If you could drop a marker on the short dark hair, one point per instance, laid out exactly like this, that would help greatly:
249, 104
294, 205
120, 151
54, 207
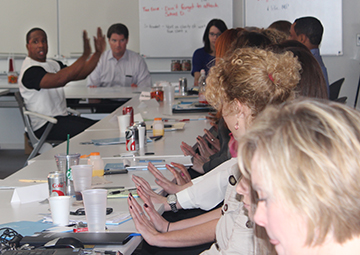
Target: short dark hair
33, 30
311, 27
281, 25
214, 22
119, 29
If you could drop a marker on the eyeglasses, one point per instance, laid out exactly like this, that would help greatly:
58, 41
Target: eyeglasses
213, 34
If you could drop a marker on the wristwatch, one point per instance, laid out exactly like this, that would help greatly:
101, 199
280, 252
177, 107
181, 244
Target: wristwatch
171, 200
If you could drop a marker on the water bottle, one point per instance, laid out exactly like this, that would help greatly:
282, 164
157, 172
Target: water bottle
202, 87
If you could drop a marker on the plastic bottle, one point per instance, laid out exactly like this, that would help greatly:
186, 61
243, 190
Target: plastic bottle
12, 75
158, 127
202, 87
98, 164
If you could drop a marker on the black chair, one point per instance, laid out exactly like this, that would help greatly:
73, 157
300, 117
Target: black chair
334, 89
341, 100
357, 94
39, 145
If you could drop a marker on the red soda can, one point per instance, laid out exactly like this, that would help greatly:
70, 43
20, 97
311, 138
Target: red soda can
129, 110
132, 138
56, 181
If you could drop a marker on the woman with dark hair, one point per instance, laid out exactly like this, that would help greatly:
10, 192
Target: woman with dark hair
203, 57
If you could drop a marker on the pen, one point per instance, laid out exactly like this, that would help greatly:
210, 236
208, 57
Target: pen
34, 181
151, 160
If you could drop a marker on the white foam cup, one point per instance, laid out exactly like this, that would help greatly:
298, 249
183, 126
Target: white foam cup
124, 122
60, 210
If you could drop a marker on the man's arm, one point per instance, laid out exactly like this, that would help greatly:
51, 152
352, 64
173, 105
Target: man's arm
78, 70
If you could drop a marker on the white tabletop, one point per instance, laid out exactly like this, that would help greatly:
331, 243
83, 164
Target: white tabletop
41, 165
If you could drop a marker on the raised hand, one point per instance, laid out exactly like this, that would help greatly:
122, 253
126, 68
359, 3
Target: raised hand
99, 41
198, 162
161, 180
87, 47
181, 177
159, 222
143, 225
141, 182
212, 140
187, 149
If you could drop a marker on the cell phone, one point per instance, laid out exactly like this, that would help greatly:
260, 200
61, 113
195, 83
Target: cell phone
81, 211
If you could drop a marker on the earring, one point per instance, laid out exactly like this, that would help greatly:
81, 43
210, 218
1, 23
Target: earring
236, 125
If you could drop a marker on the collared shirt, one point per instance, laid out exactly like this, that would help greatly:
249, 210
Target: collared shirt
129, 69
316, 54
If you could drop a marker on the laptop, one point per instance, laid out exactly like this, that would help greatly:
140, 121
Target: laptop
87, 238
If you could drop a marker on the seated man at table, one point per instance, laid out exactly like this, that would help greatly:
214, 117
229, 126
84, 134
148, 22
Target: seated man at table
120, 66
309, 31
42, 81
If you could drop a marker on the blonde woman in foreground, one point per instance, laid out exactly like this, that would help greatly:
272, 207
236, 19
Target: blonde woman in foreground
303, 162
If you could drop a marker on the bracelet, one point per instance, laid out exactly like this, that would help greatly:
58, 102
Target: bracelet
167, 230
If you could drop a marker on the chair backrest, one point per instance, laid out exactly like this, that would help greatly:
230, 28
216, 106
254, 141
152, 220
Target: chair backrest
335, 89
38, 144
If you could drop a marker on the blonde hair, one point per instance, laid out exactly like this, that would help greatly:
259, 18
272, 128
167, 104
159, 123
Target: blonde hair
308, 153
253, 77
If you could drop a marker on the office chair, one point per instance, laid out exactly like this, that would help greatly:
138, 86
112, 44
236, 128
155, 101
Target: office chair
341, 100
334, 89
39, 145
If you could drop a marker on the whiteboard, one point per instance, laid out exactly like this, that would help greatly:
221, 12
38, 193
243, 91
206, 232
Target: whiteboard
261, 13
174, 28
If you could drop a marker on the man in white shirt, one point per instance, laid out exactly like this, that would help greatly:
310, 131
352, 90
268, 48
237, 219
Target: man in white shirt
119, 66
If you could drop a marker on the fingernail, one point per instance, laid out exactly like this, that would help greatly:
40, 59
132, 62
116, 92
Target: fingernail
182, 174
156, 180
130, 207
146, 205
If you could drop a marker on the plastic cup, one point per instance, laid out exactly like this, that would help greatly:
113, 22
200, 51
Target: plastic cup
60, 210
65, 162
169, 94
124, 122
95, 209
82, 175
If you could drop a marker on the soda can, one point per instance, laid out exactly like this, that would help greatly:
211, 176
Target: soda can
183, 86
56, 182
129, 110
132, 138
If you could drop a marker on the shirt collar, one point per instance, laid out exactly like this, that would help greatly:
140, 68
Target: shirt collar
124, 57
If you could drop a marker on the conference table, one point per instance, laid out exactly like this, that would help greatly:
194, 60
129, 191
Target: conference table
168, 146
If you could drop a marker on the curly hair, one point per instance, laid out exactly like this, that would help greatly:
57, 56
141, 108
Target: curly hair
254, 77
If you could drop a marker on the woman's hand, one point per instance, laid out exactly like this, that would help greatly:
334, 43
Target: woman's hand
155, 198
143, 225
161, 180
159, 222
198, 162
181, 177
187, 149
212, 140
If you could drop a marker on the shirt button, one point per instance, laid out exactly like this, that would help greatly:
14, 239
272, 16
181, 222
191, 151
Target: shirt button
225, 207
232, 180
